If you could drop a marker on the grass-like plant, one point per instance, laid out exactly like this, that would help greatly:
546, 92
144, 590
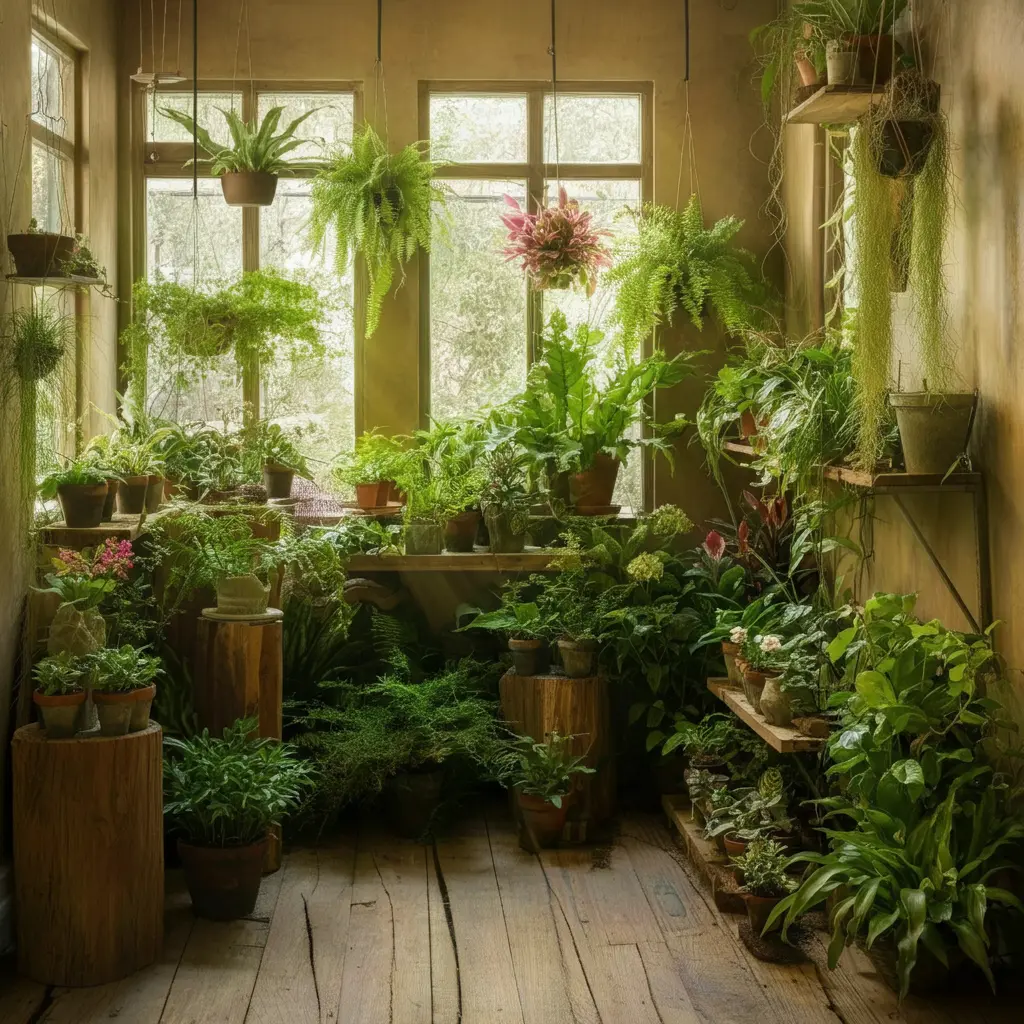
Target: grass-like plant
377, 205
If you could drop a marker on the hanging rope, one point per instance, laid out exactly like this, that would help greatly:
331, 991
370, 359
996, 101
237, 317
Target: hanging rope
380, 89
687, 149
553, 51
195, 143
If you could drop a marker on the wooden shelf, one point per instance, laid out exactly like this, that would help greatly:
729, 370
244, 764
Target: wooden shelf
122, 527
738, 448
835, 104
56, 281
535, 560
785, 741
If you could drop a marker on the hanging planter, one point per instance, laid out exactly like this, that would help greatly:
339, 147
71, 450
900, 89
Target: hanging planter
248, 188
906, 125
40, 253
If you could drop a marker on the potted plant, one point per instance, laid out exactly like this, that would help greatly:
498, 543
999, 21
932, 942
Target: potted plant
223, 795
123, 688
238, 567
60, 693
701, 785
541, 774
707, 743
141, 482
379, 206
371, 468
521, 622
557, 246
84, 265
762, 659
756, 812
935, 428
505, 501
765, 882
39, 253
81, 490
568, 603
249, 168
270, 453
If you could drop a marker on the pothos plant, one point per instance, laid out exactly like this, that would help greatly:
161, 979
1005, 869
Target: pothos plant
379, 206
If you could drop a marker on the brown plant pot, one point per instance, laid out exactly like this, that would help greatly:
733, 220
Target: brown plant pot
577, 658
223, 881
142, 703
874, 57
60, 714
759, 909
503, 539
114, 711
735, 847
935, 428
278, 480
525, 656
774, 704
131, 495
413, 799
594, 487
371, 496
748, 425
40, 254
806, 70
110, 500
82, 504
753, 686
460, 532
730, 652
542, 818
154, 493
248, 188
394, 493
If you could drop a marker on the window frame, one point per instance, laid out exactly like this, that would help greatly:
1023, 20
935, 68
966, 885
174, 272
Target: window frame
536, 172
167, 160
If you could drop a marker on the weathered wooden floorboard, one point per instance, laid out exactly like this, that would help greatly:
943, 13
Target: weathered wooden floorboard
444, 970
20, 999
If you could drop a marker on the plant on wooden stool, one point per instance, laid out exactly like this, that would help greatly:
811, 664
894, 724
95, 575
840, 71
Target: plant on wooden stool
765, 882
521, 622
222, 796
60, 692
123, 688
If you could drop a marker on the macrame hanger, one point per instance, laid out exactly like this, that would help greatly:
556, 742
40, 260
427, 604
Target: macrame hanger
195, 143
552, 50
243, 11
380, 89
687, 149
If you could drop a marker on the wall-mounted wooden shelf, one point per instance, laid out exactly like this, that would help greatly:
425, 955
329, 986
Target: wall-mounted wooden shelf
785, 741
535, 560
122, 527
835, 104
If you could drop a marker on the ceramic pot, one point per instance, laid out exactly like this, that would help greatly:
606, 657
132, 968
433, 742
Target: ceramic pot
525, 656
154, 493
934, 428
460, 532
108, 502
503, 539
577, 657
60, 714
40, 253
413, 799
842, 66
543, 819
759, 909
132, 492
735, 847
753, 685
242, 595
82, 504
142, 704
223, 881
371, 496
595, 487
248, 188
423, 539
114, 711
278, 480
730, 652
775, 705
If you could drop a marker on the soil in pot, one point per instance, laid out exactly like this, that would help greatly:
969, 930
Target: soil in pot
110, 499
503, 539
131, 495
413, 799
775, 704
242, 595
934, 428
460, 532
371, 496
40, 254
594, 487
577, 658
525, 656
278, 481
223, 881
759, 909
114, 711
753, 687
60, 714
154, 493
248, 188
82, 504
423, 539
730, 652
141, 707
543, 819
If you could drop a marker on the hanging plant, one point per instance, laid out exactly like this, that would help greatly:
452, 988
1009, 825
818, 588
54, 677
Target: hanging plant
557, 247
378, 205
675, 263
249, 168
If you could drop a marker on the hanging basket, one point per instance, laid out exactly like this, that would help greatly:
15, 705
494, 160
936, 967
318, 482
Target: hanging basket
40, 253
908, 123
248, 188
392, 195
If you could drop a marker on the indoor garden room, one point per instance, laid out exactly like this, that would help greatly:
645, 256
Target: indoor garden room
509, 512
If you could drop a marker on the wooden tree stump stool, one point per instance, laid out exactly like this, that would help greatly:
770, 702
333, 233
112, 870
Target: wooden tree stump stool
537, 705
88, 855
239, 673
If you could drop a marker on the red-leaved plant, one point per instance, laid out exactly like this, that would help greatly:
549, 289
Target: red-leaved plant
557, 246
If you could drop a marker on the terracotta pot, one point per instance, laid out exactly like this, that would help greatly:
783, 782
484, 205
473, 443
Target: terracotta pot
278, 480
248, 188
132, 492
141, 707
423, 539
806, 70
371, 496
542, 818
82, 504
759, 909
594, 487
460, 532
735, 847
874, 57
525, 656
223, 881
753, 685
114, 711
394, 493
730, 652
111, 498
60, 714
577, 658
413, 799
242, 595
775, 704
748, 425
40, 254
154, 493
503, 539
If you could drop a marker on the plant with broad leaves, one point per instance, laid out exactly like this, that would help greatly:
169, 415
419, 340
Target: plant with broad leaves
122, 669
763, 864
758, 811
539, 769
517, 618
707, 742
701, 784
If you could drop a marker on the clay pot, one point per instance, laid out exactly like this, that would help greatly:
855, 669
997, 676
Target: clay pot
132, 493
748, 425
371, 496
142, 703
842, 66
753, 685
248, 188
806, 70
503, 539
759, 909
114, 711
542, 818
423, 539
934, 428
735, 847
108, 502
154, 493
460, 532
60, 714
40, 254
774, 704
278, 480
730, 652
577, 657
413, 799
874, 57
242, 596
82, 504
223, 881
594, 487
525, 656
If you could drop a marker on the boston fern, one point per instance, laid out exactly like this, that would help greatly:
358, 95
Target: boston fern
378, 205
675, 263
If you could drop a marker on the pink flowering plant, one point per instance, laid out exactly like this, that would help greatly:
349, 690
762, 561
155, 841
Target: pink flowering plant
558, 246
763, 652
84, 578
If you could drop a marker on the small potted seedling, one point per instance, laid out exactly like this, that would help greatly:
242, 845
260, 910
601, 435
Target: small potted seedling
277, 457
765, 882
123, 688
707, 743
60, 693
541, 775
222, 796
81, 489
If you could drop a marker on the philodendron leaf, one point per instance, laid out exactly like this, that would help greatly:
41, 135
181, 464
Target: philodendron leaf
837, 648
875, 689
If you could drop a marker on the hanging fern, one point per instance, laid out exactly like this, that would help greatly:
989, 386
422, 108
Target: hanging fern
674, 263
379, 205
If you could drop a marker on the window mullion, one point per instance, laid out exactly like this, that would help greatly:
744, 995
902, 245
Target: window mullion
534, 200
251, 261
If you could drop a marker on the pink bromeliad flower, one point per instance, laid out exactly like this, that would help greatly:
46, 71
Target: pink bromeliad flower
557, 246
714, 545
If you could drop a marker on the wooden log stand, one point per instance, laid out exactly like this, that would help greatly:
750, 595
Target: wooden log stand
537, 705
88, 855
239, 673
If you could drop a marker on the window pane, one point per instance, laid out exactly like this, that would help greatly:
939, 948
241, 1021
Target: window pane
478, 129
52, 190
55, 395
162, 129
176, 391
53, 83
328, 128
593, 129
321, 393
477, 304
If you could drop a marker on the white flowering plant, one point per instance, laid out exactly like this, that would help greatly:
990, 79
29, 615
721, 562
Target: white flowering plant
764, 652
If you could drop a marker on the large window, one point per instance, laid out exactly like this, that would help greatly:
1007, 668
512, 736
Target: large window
204, 242
483, 324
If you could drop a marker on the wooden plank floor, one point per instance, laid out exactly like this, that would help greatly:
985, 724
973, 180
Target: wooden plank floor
369, 929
